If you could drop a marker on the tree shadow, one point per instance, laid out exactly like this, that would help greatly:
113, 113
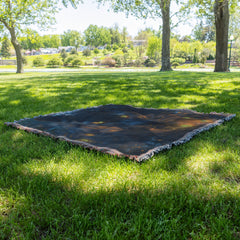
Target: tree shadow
48, 207
162, 198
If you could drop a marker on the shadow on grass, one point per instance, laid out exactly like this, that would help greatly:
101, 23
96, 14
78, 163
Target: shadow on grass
33, 95
45, 206
110, 198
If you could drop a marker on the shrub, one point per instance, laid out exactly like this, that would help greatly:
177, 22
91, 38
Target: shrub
119, 60
203, 59
86, 52
109, 48
97, 62
74, 51
63, 54
68, 60
24, 60
175, 64
54, 62
178, 60
138, 62
126, 59
131, 46
109, 61
38, 62
73, 61
76, 62
150, 62
105, 52
96, 50
115, 46
118, 52
125, 50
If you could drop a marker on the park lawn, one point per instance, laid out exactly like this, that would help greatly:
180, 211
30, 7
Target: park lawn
53, 190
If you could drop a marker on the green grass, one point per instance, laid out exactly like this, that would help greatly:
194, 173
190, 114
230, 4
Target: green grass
52, 190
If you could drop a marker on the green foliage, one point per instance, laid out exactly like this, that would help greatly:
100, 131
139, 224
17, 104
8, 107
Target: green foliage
71, 38
97, 62
124, 35
154, 48
178, 60
105, 51
63, 54
126, 59
150, 62
138, 62
51, 41
115, 35
96, 50
109, 62
145, 35
234, 25
115, 47
86, 52
192, 50
97, 36
119, 60
54, 62
53, 190
195, 57
17, 14
38, 62
5, 49
31, 40
109, 47
125, 50
68, 60
175, 64
77, 62
118, 52
205, 33
73, 61
74, 51
24, 60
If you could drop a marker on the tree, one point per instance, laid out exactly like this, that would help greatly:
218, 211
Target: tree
144, 35
72, 38
234, 25
15, 15
97, 36
144, 9
51, 41
31, 41
205, 32
115, 35
124, 35
5, 50
154, 48
165, 9
221, 10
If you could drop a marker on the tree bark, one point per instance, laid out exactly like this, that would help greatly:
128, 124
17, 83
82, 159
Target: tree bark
17, 48
221, 12
165, 8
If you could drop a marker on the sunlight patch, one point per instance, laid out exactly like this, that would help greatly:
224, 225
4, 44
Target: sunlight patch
122, 130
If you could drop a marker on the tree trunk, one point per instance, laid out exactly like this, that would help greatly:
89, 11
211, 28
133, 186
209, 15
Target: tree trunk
17, 48
221, 12
165, 8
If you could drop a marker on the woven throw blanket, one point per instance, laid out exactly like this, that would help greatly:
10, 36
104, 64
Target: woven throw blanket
122, 130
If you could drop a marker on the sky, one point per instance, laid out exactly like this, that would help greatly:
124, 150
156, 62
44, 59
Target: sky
88, 13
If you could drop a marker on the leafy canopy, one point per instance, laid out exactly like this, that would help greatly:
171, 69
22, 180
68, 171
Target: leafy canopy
21, 13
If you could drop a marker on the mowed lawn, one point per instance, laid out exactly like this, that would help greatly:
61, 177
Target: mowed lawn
53, 190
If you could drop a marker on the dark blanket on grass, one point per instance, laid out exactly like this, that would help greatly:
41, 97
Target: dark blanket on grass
123, 130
